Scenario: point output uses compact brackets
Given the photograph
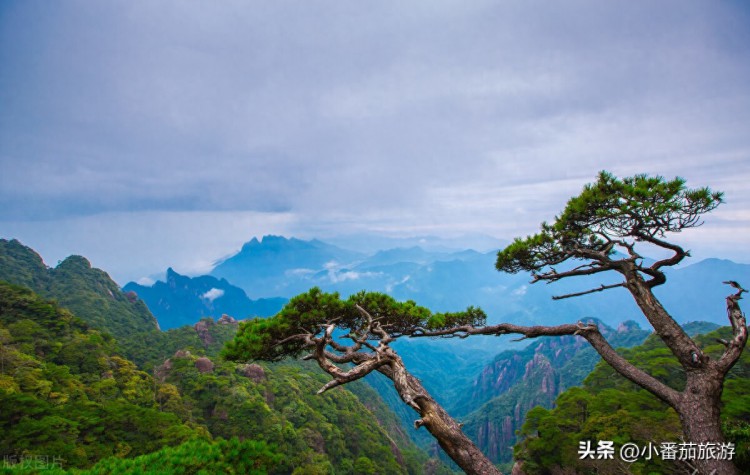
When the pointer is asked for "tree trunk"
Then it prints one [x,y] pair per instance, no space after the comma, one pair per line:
[699,405]
[700,416]
[438,422]
[679,343]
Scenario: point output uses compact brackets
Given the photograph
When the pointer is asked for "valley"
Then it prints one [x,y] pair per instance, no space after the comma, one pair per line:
[166,338]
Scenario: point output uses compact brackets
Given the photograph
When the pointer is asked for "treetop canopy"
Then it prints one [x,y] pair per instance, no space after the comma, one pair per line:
[310,313]
[611,212]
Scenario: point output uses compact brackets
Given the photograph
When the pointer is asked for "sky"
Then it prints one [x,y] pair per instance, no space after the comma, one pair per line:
[147,134]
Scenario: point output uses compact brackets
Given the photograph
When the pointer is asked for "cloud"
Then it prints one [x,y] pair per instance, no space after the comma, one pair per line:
[146,281]
[212,294]
[136,244]
[446,118]
[300,272]
[520,291]
[337,277]
[391,285]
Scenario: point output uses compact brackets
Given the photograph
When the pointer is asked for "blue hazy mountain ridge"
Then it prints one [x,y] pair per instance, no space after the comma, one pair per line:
[445,281]
[413,254]
[182,300]
[276,266]
[371,243]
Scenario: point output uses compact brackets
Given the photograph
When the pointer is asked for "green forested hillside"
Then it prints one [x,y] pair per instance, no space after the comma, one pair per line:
[88,292]
[64,391]
[111,384]
[609,407]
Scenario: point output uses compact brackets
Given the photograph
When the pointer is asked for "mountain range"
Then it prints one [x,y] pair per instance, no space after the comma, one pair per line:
[88,376]
[505,380]
[78,287]
[487,383]
[519,380]
[278,268]
[182,300]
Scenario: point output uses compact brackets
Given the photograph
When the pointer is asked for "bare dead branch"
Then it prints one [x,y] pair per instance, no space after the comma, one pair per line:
[630,246]
[629,370]
[586,292]
[499,329]
[739,329]
[364,313]
[299,336]
[554,276]
[339,358]
[344,348]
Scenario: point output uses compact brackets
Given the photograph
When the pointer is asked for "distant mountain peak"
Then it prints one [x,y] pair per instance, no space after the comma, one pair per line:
[183,300]
[261,267]
[75,261]
[89,292]
[628,325]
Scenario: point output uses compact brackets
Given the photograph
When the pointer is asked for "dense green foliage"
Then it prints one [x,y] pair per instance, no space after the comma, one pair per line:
[22,266]
[611,208]
[71,391]
[63,391]
[278,405]
[192,457]
[268,339]
[87,292]
[608,407]
[150,349]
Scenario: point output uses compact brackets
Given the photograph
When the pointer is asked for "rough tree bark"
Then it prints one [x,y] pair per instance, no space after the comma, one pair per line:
[437,421]
[385,360]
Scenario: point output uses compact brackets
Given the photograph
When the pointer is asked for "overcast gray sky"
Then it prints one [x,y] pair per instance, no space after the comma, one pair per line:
[144,134]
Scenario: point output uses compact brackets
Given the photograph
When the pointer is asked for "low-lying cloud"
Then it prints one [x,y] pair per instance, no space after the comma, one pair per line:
[400,118]
[213,294]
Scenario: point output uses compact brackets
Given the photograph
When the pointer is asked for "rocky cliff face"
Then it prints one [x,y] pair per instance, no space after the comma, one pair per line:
[512,367]
[517,381]
[494,425]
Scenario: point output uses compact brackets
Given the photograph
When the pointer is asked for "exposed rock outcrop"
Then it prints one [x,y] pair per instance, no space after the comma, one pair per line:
[204,365]
[252,371]
[226,320]
[161,372]
[517,469]
[202,328]
[182,354]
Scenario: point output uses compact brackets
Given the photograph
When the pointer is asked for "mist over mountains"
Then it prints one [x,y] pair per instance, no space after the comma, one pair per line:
[275,268]
[182,300]
[488,383]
